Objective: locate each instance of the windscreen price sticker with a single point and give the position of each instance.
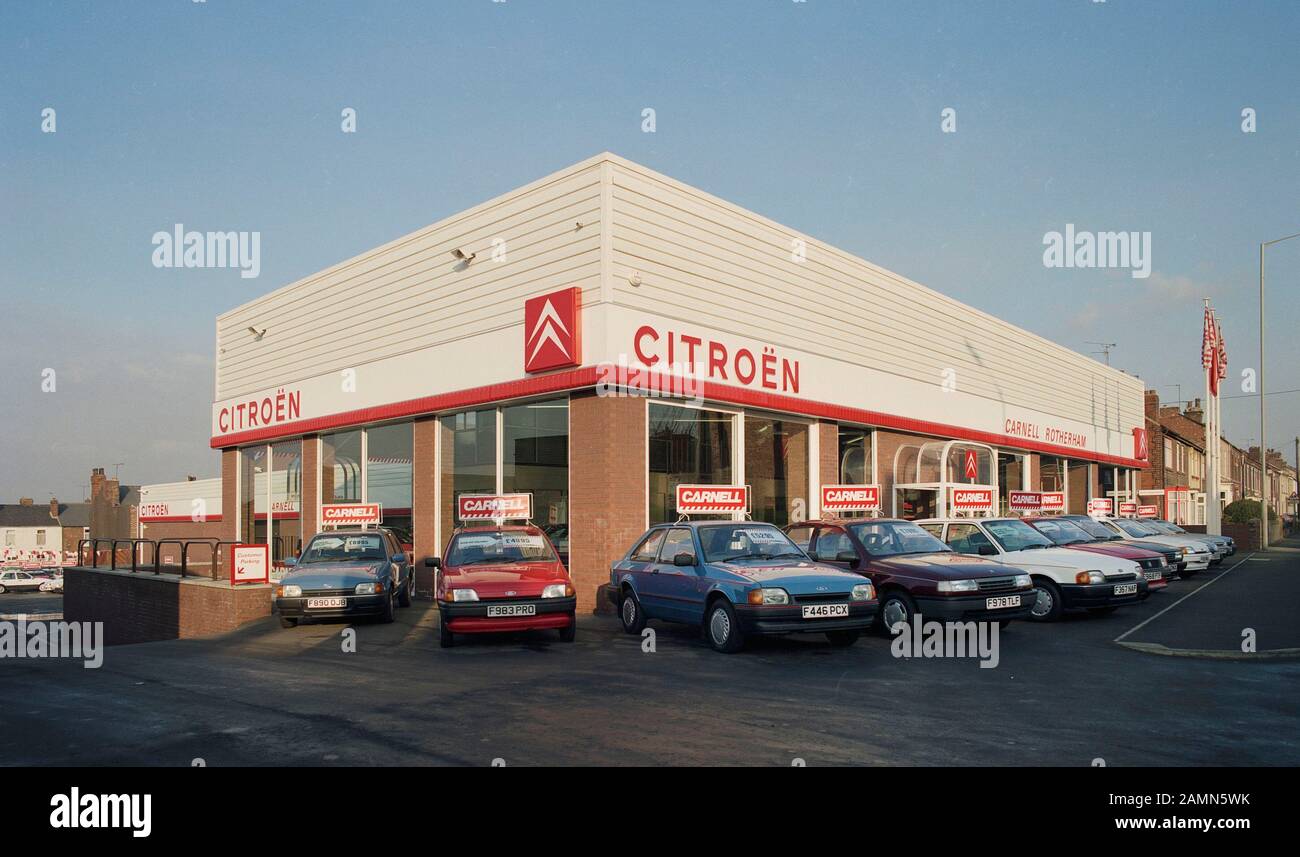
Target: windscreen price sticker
(250, 564)
(763, 537)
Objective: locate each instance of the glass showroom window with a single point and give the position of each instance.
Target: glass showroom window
(340, 467)
(856, 466)
(286, 499)
(390, 451)
(776, 469)
(686, 446)
(535, 459)
(1051, 472)
(1011, 474)
(253, 506)
(1079, 480)
(469, 459)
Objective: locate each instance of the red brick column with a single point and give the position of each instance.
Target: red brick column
(229, 494)
(607, 485)
(828, 452)
(309, 511)
(424, 512)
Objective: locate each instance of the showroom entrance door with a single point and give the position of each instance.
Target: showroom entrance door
(925, 475)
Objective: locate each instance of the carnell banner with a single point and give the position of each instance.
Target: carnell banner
(850, 498)
(1024, 501)
(712, 499)
(970, 499)
(350, 514)
(493, 507)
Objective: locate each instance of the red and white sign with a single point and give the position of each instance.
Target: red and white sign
(1024, 501)
(250, 564)
(350, 514)
(972, 498)
(1052, 501)
(850, 498)
(1140, 451)
(972, 465)
(553, 330)
(712, 499)
(494, 507)
(1101, 506)
(1147, 511)
(1128, 510)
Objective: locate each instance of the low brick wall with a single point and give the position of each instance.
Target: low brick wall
(1245, 535)
(142, 607)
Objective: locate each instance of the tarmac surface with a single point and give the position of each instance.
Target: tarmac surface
(1061, 694)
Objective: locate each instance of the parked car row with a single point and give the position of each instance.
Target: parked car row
(739, 579)
(12, 580)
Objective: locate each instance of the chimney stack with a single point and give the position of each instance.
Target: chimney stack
(24, 501)
(54, 508)
(1195, 411)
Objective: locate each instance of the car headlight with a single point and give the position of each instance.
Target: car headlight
(863, 592)
(769, 595)
(290, 591)
(369, 588)
(557, 590)
(1186, 550)
(1023, 581)
(1092, 576)
(958, 586)
(464, 595)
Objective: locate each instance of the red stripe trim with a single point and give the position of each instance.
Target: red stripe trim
(573, 379)
(181, 519)
(587, 376)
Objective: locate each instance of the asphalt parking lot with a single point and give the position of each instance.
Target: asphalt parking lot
(1063, 694)
(30, 604)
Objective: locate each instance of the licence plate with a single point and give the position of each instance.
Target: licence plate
(326, 602)
(1125, 588)
(498, 610)
(825, 611)
(1154, 575)
(1002, 601)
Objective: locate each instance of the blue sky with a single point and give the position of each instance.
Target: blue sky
(821, 115)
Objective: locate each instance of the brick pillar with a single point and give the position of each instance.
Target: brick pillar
(309, 512)
(607, 485)
(1035, 475)
(424, 510)
(828, 452)
(229, 495)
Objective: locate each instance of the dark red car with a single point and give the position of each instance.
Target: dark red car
(495, 579)
(914, 572)
(1155, 567)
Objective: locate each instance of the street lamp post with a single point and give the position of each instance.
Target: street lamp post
(1263, 444)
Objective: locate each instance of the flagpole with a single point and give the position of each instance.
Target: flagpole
(1207, 366)
(1212, 521)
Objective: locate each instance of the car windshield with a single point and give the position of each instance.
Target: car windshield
(1133, 528)
(493, 547)
(1167, 527)
(1062, 532)
(727, 542)
(893, 538)
(1015, 535)
(1096, 529)
(344, 547)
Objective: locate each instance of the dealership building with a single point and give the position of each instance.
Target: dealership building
(607, 333)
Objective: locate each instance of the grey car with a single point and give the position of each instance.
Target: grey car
(346, 574)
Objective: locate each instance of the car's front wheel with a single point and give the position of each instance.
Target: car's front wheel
(570, 632)
(288, 623)
(1048, 606)
(629, 612)
(446, 639)
(388, 615)
(408, 592)
(721, 628)
(895, 607)
(2, 589)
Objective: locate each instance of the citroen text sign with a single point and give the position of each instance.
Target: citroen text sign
(553, 330)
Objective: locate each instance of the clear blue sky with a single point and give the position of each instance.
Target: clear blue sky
(822, 115)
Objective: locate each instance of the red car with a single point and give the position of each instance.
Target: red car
(495, 579)
(1155, 569)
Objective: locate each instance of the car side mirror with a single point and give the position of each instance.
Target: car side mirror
(684, 560)
(432, 562)
(849, 557)
(988, 550)
(399, 557)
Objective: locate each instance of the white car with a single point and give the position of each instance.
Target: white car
(1223, 545)
(19, 581)
(1064, 579)
(1197, 552)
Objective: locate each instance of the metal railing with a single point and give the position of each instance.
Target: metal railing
(148, 555)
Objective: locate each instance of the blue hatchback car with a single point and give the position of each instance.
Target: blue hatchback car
(734, 579)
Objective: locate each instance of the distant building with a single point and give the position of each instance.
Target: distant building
(37, 536)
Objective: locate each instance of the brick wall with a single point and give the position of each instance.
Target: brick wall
(138, 608)
(607, 481)
(229, 494)
(425, 513)
(310, 479)
(828, 452)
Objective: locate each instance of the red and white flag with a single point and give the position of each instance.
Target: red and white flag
(1207, 340)
(1223, 351)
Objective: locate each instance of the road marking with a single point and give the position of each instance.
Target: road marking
(1210, 582)
(1219, 654)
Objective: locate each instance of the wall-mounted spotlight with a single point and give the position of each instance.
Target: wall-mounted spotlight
(462, 256)
(257, 334)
